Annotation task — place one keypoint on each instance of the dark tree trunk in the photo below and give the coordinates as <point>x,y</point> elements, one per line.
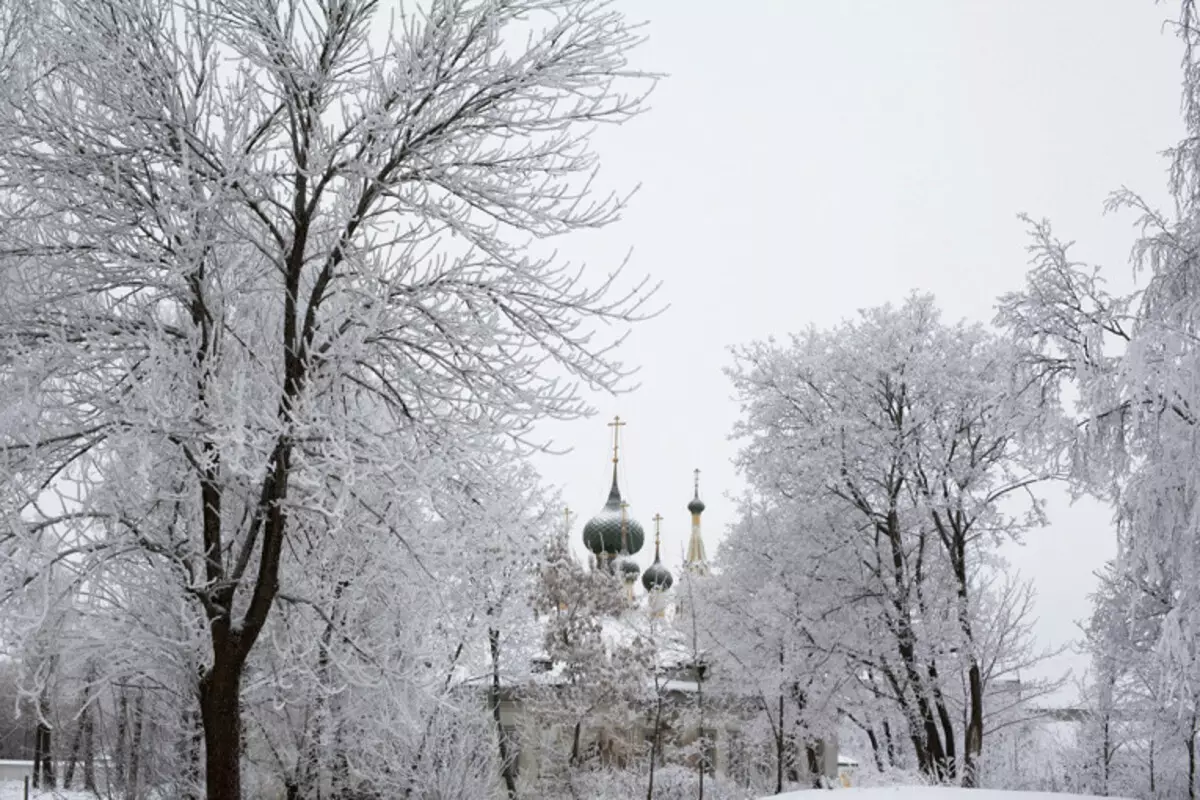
<point>87,727</point>
<point>1191,750</point>
<point>890,745</point>
<point>973,738</point>
<point>875,751</point>
<point>507,764</point>
<point>45,744</point>
<point>83,745</point>
<point>814,764</point>
<point>779,749</point>
<point>121,756</point>
<point>574,759</point>
<point>220,710</point>
<point>948,768</point>
<point>73,756</point>
<point>132,787</point>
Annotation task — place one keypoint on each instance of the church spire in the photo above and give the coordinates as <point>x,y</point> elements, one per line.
<point>697,560</point>
<point>613,531</point>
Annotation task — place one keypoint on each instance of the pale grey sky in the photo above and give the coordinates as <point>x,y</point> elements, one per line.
<point>807,158</point>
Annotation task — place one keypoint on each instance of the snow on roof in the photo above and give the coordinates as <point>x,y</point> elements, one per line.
<point>929,793</point>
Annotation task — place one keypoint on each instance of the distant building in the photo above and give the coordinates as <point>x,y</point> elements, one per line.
<point>612,537</point>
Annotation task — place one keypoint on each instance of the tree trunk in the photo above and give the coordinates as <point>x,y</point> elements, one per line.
<point>120,757</point>
<point>574,759</point>
<point>73,756</point>
<point>88,728</point>
<point>948,766</point>
<point>779,749</point>
<point>1191,748</point>
<point>655,748</point>
<point>45,744</point>
<point>506,759</point>
<point>132,787</point>
<point>973,737</point>
<point>220,710</point>
<point>1152,766</point>
<point>814,764</point>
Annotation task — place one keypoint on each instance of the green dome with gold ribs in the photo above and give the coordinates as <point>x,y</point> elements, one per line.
<point>602,533</point>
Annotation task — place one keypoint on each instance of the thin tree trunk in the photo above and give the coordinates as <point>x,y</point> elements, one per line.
<point>87,726</point>
<point>890,745</point>
<point>779,748</point>
<point>121,755</point>
<point>654,740</point>
<point>45,734</point>
<point>875,751</point>
<point>1151,766</point>
<point>814,765</point>
<point>949,761</point>
<point>574,759</point>
<point>73,756</point>
<point>340,774</point>
<point>1191,748</point>
<point>506,760</point>
<point>973,737</point>
<point>133,788</point>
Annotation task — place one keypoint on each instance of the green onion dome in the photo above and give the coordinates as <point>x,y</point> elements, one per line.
<point>657,577</point>
<point>628,569</point>
<point>602,533</point>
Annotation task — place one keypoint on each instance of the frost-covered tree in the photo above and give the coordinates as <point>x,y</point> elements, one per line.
<point>258,259</point>
<point>772,643</point>
<point>885,450</point>
<point>1132,362</point>
<point>597,669</point>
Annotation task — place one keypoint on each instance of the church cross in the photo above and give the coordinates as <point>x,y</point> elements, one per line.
<point>616,425</point>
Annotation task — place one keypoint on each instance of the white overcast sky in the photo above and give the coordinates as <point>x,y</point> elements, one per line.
<point>804,159</point>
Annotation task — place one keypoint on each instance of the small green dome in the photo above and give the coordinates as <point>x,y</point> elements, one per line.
<point>628,569</point>
<point>696,505</point>
<point>657,577</point>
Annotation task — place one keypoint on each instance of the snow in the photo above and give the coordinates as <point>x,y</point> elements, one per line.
<point>930,793</point>
<point>15,790</point>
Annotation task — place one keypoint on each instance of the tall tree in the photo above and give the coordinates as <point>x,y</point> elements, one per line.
<point>248,243</point>
<point>892,442</point>
<point>1132,361</point>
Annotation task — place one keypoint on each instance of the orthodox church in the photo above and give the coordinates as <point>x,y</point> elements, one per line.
<point>613,537</point>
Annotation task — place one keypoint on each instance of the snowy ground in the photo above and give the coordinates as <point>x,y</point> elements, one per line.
<point>932,793</point>
<point>15,790</point>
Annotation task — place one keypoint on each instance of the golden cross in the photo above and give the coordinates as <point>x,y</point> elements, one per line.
<point>697,483</point>
<point>567,516</point>
<point>616,425</point>
<point>657,526</point>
